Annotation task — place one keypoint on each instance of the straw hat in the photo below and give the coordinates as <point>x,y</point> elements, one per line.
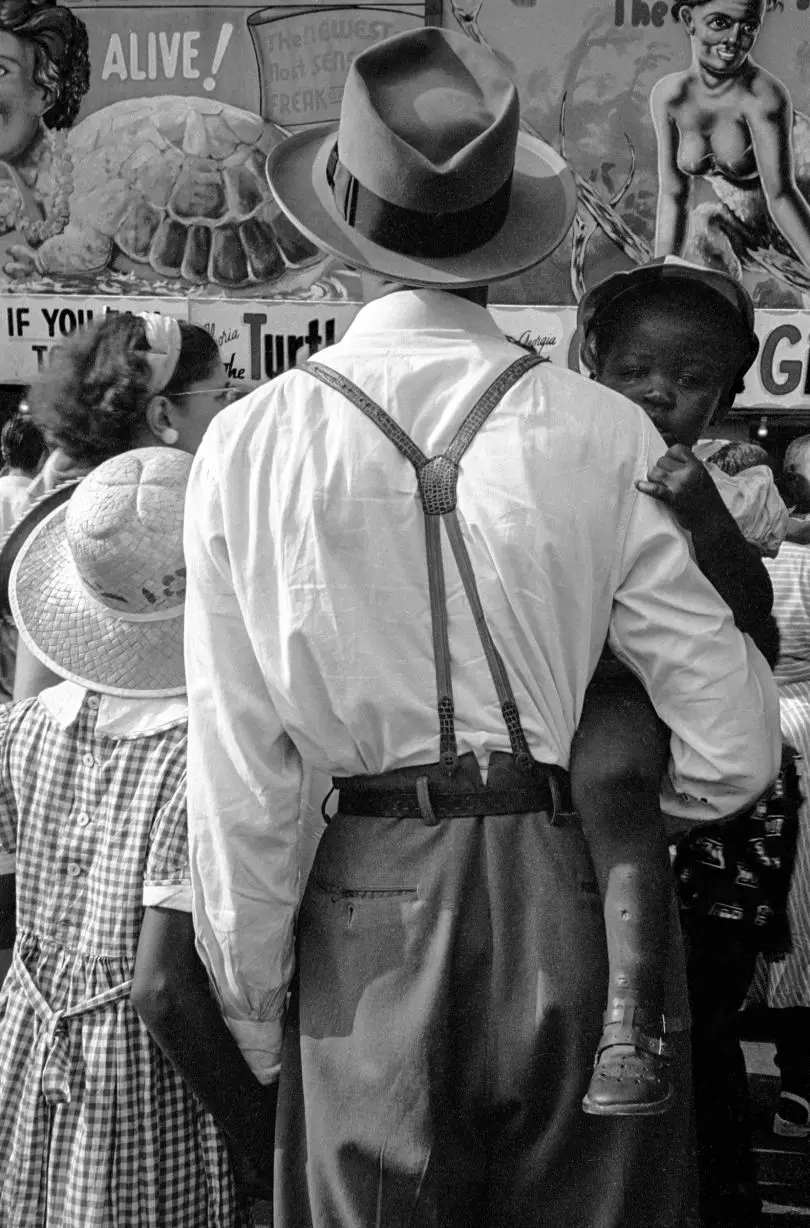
<point>426,178</point>
<point>97,591</point>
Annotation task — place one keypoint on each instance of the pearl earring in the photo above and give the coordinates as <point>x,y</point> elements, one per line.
<point>170,435</point>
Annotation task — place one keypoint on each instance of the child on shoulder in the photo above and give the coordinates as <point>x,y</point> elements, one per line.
<point>677,340</point>
<point>97,1127</point>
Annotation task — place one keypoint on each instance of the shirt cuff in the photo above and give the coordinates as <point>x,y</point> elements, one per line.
<point>8,863</point>
<point>261,1046</point>
<point>168,895</point>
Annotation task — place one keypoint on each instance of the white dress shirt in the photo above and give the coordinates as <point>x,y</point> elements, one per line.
<point>308,625</point>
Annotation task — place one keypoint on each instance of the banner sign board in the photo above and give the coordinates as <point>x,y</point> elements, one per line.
<point>139,177</point>
<point>258,339</point>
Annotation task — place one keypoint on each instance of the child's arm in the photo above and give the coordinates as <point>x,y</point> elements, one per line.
<point>172,996</point>
<point>724,556</point>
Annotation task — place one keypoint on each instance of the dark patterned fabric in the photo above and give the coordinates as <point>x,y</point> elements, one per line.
<point>739,871</point>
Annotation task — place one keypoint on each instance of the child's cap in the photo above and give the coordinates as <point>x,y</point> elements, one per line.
<point>667,269</point>
<point>98,589</point>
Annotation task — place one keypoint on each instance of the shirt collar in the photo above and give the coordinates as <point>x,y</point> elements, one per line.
<point>117,717</point>
<point>423,311</point>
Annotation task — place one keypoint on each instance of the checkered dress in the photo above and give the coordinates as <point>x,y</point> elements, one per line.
<point>97,1130</point>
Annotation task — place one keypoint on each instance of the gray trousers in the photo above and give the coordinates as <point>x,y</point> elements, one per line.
<point>445,1014</point>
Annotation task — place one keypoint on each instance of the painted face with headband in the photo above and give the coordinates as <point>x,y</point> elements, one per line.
<point>188,386</point>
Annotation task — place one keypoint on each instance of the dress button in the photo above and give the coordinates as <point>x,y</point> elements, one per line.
<point>88,760</point>
<point>74,869</point>
<point>93,701</point>
<point>83,819</point>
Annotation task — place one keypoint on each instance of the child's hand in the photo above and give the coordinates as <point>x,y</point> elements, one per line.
<point>679,479</point>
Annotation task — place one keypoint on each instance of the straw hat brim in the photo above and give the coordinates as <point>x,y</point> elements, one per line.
<point>74,636</point>
<point>541,210</point>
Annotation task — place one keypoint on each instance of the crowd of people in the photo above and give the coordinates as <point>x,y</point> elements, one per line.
<point>540,633</point>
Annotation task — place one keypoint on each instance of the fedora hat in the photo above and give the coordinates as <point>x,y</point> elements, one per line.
<point>426,178</point>
<point>665,270</point>
<point>97,590</point>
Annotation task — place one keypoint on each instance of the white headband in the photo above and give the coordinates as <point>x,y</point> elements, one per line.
<point>165,342</point>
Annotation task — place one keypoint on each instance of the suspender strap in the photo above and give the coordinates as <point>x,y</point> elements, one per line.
<point>438,478</point>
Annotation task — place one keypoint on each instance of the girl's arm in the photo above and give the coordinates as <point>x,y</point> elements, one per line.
<point>673,186</point>
<point>173,998</point>
<point>770,121</point>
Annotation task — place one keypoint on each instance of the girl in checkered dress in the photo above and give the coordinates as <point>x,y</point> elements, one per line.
<point>97,1127</point>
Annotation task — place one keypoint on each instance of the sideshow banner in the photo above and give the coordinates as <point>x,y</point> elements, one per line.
<point>258,339</point>
<point>687,128</point>
<point>134,138</point>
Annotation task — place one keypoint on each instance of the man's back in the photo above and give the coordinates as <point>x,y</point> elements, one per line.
<point>332,577</point>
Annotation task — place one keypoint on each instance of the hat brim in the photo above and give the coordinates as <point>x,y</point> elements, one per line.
<point>541,210</point>
<point>715,286</point>
<point>71,634</point>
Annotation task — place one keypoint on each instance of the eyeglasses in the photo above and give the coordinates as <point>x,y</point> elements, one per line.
<point>232,391</point>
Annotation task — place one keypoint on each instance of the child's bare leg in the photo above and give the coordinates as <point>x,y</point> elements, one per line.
<point>619,755</point>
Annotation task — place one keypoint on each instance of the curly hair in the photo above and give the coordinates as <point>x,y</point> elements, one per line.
<point>91,398</point>
<point>61,53</point>
<point>770,6</point>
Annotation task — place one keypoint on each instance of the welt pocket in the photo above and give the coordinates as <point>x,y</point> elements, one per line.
<point>336,893</point>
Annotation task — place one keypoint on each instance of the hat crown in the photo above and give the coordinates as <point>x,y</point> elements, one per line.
<point>124,530</point>
<point>429,121</point>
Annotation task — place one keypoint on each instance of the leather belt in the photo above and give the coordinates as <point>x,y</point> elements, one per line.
<point>429,802</point>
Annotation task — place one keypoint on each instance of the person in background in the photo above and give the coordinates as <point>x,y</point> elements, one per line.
<point>796,485</point>
<point>677,340</point>
<point>23,453</point>
<point>125,381</point>
<point>784,985</point>
<point>95,1125</point>
<point>449,947</point>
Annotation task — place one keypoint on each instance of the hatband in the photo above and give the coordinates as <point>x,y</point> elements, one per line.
<point>408,231</point>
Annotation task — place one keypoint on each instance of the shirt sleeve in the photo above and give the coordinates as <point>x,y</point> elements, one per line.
<point>707,681</point>
<point>166,880</point>
<point>244,791</point>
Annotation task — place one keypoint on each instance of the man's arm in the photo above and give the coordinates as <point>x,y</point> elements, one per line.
<point>244,785</point>
<point>707,682</point>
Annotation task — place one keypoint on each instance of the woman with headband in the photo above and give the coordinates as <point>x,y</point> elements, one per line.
<point>127,381</point>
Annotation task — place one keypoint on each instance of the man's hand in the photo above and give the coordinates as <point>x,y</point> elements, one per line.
<point>679,479</point>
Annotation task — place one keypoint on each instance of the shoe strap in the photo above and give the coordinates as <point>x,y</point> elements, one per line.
<point>633,1015</point>
<point>627,1034</point>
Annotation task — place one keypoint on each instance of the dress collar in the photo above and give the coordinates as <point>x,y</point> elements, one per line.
<point>423,311</point>
<point>117,717</point>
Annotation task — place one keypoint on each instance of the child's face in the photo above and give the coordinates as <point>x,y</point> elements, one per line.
<point>675,361</point>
